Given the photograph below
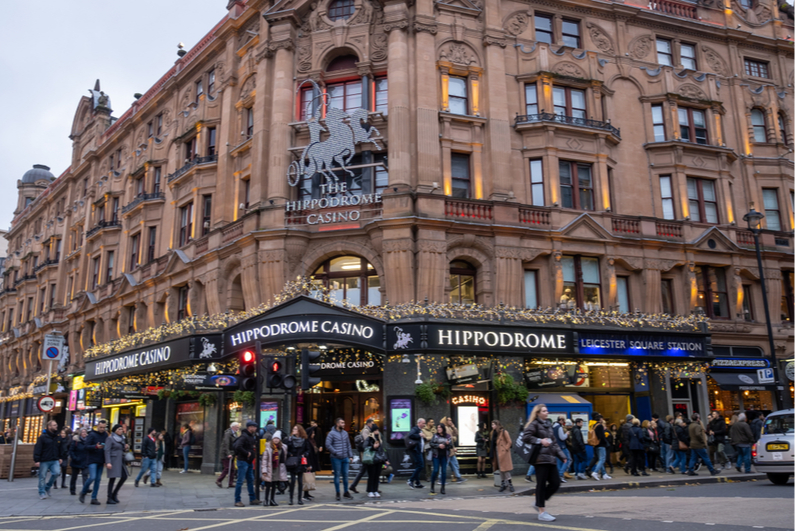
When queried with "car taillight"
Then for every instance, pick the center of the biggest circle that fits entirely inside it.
(753, 451)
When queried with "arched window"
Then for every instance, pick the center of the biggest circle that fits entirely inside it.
(758, 123)
(462, 283)
(350, 278)
(340, 9)
(782, 128)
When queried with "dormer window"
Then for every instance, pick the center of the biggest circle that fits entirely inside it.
(341, 9)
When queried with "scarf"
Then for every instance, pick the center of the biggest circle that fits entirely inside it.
(118, 438)
(276, 452)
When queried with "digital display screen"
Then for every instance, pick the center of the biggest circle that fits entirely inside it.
(400, 418)
(268, 411)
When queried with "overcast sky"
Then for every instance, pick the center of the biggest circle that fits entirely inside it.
(54, 51)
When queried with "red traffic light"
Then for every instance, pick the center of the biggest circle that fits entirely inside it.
(247, 357)
(276, 366)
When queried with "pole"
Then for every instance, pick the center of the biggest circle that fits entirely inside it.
(14, 453)
(257, 406)
(771, 344)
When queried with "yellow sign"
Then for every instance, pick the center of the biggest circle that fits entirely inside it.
(469, 399)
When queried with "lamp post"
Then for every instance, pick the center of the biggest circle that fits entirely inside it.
(754, 220)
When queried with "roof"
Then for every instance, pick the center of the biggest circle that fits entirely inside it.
(38, 173)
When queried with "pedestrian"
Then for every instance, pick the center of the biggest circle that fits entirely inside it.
(359, 444)
(65, 439)
(244, 449)
(428, 432)
(561, 437)
(227, 456)
(665, 432)
(440, 448)
(578, 451)
(115, 448)
(482, 449)
(187, 440)
(415, 448)
(272, 467)
(374, 443)
(95, 444)
(270, 429)
(312, 435)
(338, 443)
(160, 456)
(717, 430)
(168, 447)
(682, 442)
(149, 455)
(78, 457)
(698, 446)
(538, 430)
(637, 442)
(613, 450)
(600, 449)
(625, 430)
(652, 444)
(48, 455)
(742, 439)
(756, 425)
(297, 460)
(501, 455)
(452, 458)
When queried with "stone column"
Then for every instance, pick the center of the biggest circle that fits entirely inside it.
(249, 280)
(557, 270)
(653, 284)
(228, 137)
(397, 251)
(428, 164)
(432, 266)
(396, 23)
(497, 135)
(508, 276)
(281, 115)
(214, 419)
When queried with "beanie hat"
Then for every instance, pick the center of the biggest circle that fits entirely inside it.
(278, 435)
(630, 417)
(251, 423)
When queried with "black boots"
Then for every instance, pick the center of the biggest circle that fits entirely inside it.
(503, 486)
(111, 499)
(510, 486)
(433, 484)
(441, 490)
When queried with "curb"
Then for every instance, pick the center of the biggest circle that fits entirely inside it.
(687, 480)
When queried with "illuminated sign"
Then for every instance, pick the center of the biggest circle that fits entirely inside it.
(739, 363)
(632, 345)
(470, 399)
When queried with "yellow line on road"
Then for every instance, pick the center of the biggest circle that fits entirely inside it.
(488, 524)
(361, 521)
(235, 521)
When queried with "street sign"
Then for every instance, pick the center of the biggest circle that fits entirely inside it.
(765, 376)
(53, 346)
(46, 404)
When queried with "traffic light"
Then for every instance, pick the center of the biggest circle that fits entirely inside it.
(248, 371)
(277, 374)
(308, 368)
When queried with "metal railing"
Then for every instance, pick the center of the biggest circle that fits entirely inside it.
(102, 225)
(189, 164)
(568, 120)
(44, 264)
(142, 198)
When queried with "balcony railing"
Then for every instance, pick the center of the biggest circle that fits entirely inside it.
(676, 9)
(44, 264)
(568, 120)
(626, 226)
(196, 161)
(536, 217)
(102, 225)
(472, 210)
(141, 199)
(745, 237)
(668, 229)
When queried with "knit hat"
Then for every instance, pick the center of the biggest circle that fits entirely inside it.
(251, 423)
(277, 435)
(568, 422)
(630, 417)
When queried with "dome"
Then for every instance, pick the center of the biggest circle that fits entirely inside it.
(39, 172)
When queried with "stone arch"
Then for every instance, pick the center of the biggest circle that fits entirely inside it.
(631, 79)
(484, 290)
(458, 52)
(235, 300)
(317, 255)
(332, 52)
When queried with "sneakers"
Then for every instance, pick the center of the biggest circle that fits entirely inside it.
(529, 479)
(43, 497)
(239, 504)
(605, 476)
(377, 494)
(691, 473)
(389, 478)
(182, 471)
(370, 494)
(410, 484)
(419, 485)
(95, 502)
(461, 480)
(563, 479)
(715, 472)
(546, 517)
(595, 476)
(347, 495)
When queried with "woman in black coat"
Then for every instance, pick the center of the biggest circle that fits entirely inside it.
(297, 460)
(78, 459)
(638, 440)
(538, 430)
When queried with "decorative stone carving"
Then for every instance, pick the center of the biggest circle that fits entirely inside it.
(397, 246)
(379, 47)
(517, 23)
(430, 246)
(640, 47)
(714, 60)
(425, 26)
(316, 22)
(692, 91)
(600, 38)
(396, 25)
(364, 15)
(457, 53)
(273, 47)
(489, 40)
(248, 85)
(304, 58)
(568, 69)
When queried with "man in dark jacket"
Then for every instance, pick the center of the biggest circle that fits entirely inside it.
(246, 452)
(227, 443)
(95, 444)
(338, 443)
(756, 426)
(666, 438)
(625, 434)
(48, 454)
(698, 446)
(415, 448)
(742, 439)
(149, 454)
(716, 429)
(578, 452)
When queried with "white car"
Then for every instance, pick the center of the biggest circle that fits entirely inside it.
(774, 453)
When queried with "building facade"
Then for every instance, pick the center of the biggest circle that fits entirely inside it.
(573, 154)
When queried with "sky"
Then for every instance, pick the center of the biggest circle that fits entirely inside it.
(54, 51)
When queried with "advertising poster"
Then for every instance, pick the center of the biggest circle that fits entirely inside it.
(547, 376)
(467, 425)
(268, 411)
(192, 413)
(400, 418)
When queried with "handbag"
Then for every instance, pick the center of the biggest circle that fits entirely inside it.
(683, 446)
(711, 440)
(129, 457)
(411, 443)
(309, 481)
(527, 451)
(292, 462)
(380, 456)
(368, 456)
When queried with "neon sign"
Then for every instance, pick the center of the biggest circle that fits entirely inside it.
(470, 399)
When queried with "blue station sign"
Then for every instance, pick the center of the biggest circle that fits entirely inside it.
(644, 345)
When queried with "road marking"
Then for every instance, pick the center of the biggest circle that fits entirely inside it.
(361, 521)
(232, 521)
(488, 524)
(121, 521)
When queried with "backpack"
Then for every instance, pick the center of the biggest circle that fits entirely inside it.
(192, 440)
(593, 440)
(358, 442)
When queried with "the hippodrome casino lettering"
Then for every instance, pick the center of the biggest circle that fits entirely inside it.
(469, 399)
(478, 338)
(336, 328)
(133, 361)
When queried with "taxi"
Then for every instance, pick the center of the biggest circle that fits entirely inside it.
(774, 453)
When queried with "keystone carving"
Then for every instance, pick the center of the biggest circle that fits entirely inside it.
(714, 60)
(569, 69)
(517, 23)
(640, 47)
(457, 53)
(692, 92)
(600, 38)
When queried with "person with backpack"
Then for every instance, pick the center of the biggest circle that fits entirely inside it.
(188, 440)
(600, 448)
(638, 441)
(358, 443)
(578, 451)
(538, 430)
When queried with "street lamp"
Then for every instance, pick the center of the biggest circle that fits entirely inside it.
(754, 220)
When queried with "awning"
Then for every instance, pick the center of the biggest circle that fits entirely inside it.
(740, 381)
(556, 399)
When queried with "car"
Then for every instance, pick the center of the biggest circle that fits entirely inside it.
(774, 453)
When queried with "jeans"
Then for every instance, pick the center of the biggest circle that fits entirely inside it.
(702, 453)
(666, 455)
(94, 477)
(185, 452)
(530, 472)
(743, 456)
(54, 468)
(454, 467)
(717, 452)
(579, 462)
(680, 460)
(160, 464)
(340, 468)
(601, 453)
(229, 470)
(150, 465)
(439, 462)
(563, 466)
(245, 470)
(419, 465)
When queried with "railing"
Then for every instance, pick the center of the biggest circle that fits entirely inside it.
(668, 230)
(568, 120)
(20, 280)
(102, 225)
(467, 209)
(44, 264)
(531, 216)
(745, 237)
(141, 198)
(626, 226)
(207, 160)
(230, 232)
(188, 165)
(674, 8)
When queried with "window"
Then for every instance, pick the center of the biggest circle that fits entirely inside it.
(530, 289)
(787, 295)
(85, 187)
(748, 311)
(544, 28)
(211, 142)
(350, 278)
(150, 247)
(758, 124)
(658, 122)
(190, 149)
(570, 31)
(211, 82)
(207, 207)
(569, 102)
(340, 9)
(182, 304)
(109, 266)
(95, 272)
(687, 55)
(42, 299)
(381, 95)
(30, 309)
(667, 195)
(156, 180)
(665, 54)
(712, 297)
(58, 244)
(68, 294)
(246, 192)
(457, 94)
(756, 68)
(576, 185)
(622, 294)
(101, 213)
(536, 182)
(531, 99)
(581, 284)
(693, 125)
(249, 131)
(199, 90)
(135, 244)
(306, 109)
(130, 319)
(702, 200)
(460, 175)
(118, 158)
(150, 129)
(115, 210)
(667, 296)
(10, 319)
(772, 215)
(139, 186)
(52, 296)
(345, 96)
(159, 124)
(185, 224)
(782, 128)
(462, 283)
(112, 162)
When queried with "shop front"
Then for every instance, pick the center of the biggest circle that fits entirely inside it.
(84, 403)
(740, 384)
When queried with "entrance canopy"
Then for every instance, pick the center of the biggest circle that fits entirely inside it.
(740, 381)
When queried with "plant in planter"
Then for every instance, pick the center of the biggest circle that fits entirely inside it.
(163, 393)
(244, 397)
(208, 399)
(424, 393)
(509, 390)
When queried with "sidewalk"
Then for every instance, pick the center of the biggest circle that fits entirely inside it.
(197, 492)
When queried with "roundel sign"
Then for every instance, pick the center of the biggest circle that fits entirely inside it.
(46, 404)
(52, 353)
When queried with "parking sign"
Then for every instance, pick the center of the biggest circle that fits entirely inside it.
(765, 376)
(52, 349)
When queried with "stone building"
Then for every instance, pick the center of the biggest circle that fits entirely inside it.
(567, 154)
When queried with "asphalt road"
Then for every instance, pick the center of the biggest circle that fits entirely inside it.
(724, 506)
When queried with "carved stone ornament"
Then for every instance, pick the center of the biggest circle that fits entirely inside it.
(316, 22)
(641, 46)
(457, 53)
(692, 92)
(489, 40)
(430, 246)
(379, 47)
(568, 69)
(364, 15)
(273, 47)
(517, 23)
(248, 85)
(419, 27)
(396, 25)
(397, 246)
(600, 38)
(304, 58)
(714, 60)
